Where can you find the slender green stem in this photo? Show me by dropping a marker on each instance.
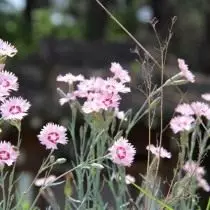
(149, 195)
(128, 33)
(208, 205)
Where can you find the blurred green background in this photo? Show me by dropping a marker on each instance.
(26, 22)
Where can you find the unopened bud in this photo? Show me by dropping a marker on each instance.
(52, 159)
(61, 160)
(97, 165)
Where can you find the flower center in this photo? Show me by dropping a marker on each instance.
(108, 101)
(121, 152)
(15, 109)
(4, 155)
(53, 137)
(4, 83)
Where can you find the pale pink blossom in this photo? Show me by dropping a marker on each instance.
(185, 70)
(200, 108)
(206, 96)
(111, 85)
(90, 86)
(119, 72)
(91, 106)
(51, 135)
(8, 81)
(181, 123)
(158, 151)
(8, 155)
(203, 184)
(122, 152)
(184, 109)
(14, 108)
(70, 78)
(68, 97)
(101, 101)
(193, 169)
(45, 181)
(6, 49)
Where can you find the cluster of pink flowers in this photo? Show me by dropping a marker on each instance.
(12, 108)
(184, 122)
(122, 152)
(99, 94)
(158, 151)
(193, 169)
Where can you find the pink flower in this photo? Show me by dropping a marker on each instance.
(68, 97)
(200, 108)
(52, 134)
(158, 151)
(8, 155)
(181, 123)
(69, 78)
(206, 96)
(184, 109)
(122, 152)
(119, 72)
(90, 106)
(8, 81)
(113, 86)
(6, 49)
(203, 184)
(14, 108)
(45, 181)
(185, 71)
(193, 169)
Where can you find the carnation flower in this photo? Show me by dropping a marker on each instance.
(69, 78)
(8, 81)
(200, 108)
(181, 123)
(45, 181)
(52, 134)
(68, 97)
(6, 49)
(122, 152)
(184, 109)
(203, 184)
(119, 72)
(8, 155)
(185, 71)
(14, 108)
(193, 169)
(158, 151)
(111, 85)
(206, 96)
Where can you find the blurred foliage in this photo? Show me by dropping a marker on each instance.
(85, 20)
